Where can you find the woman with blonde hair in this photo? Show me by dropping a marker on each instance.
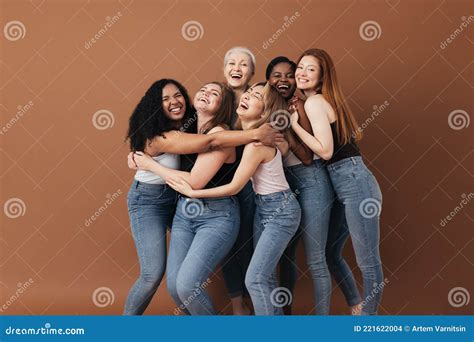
(277, 213)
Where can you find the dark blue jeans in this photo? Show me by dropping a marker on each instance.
(236, 263)
(358, 191)
(151, 209)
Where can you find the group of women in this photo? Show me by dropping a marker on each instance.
(239, 189)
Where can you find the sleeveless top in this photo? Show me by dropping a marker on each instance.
(223, 176)
(270, 177)
(342, 151)
(166, 159)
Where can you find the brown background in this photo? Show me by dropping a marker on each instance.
(63, 168)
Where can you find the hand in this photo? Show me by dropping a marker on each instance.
(267, 134)
(131, 163)
(294, 118)
(143, 161)
(181, 186)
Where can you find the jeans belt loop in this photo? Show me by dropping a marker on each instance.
(353, 160)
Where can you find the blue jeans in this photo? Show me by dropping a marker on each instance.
(151, 209)
(204, 230)
(236, 263)
(358, 191)
(315, 195)
(277, 218)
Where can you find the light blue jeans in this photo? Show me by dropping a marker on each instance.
(276, 220)
(358, 191)
(204, 231)
(151, 209)
(316, 196)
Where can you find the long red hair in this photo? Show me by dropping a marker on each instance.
(328, 86)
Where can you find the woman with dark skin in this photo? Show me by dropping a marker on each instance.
(159, 126)
(280, 74)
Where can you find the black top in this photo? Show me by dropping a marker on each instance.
(342, 151)
(223, 176)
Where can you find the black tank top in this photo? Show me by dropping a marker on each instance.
(223, 176)
(342, 151)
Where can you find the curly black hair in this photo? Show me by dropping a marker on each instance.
(149, 120)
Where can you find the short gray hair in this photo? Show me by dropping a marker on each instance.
(243, 50)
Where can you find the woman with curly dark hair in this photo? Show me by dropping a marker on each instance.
(159, 125)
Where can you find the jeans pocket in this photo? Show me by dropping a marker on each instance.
(222, 208)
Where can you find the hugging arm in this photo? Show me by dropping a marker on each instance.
(320, 142)
(178, 142)
(251, 159)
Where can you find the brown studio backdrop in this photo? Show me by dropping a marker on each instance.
(64, 169)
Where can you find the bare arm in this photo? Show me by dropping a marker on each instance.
(321, 141)
(178, 142)
(251, 159)
(206, 166)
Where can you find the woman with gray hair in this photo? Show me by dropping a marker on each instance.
(239, 68)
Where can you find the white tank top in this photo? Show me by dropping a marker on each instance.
(291, 159)
(168, 160)
(270, 177)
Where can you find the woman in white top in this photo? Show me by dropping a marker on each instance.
(277, 213)
(159, 125)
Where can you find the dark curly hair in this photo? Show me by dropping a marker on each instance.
(278, 60)
(149, 120)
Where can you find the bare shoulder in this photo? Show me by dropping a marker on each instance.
(317, 100)
(261, 152)
(216, 129)
(317, 105)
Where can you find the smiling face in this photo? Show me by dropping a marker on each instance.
(282, 78)
(307, 73)
(208, 98)
(251, 104)
(174, 104)
(238, 70)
